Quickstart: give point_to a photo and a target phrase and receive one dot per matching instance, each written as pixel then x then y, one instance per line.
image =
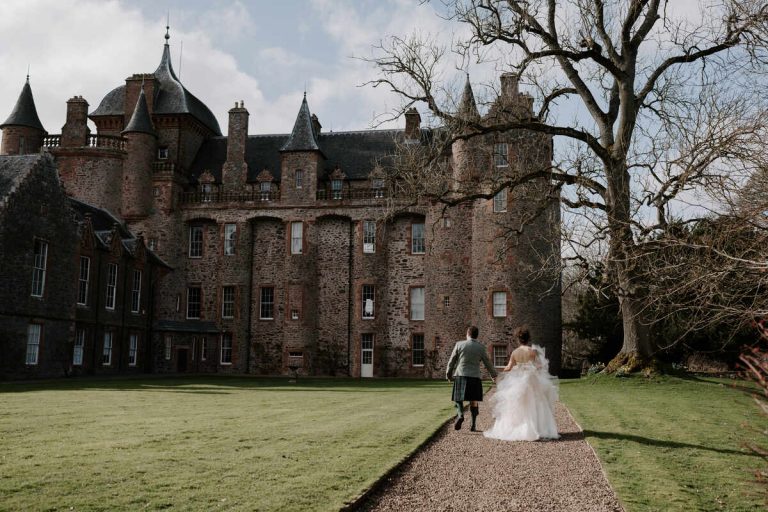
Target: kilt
pixel 467 388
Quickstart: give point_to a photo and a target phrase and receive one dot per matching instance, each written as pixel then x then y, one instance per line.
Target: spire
pixel 468 107
pixel 140 122
pixel 24 113
pixel 303 136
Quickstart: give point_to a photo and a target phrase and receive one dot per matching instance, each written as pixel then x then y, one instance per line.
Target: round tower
pixel 23 132
pixel 137 167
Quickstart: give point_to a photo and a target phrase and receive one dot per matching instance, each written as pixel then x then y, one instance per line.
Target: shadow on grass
pixel 738 385
pixel 661 443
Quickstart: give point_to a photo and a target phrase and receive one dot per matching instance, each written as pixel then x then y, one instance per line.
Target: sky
pixel 263 52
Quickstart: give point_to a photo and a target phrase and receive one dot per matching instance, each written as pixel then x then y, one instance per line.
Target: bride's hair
pixel 523 335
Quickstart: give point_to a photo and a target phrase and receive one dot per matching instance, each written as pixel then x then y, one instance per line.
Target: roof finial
pixel 167 26
pixel 27 73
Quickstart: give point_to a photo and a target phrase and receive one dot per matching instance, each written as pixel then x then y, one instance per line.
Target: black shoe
pixel 459 421
pixel 472 429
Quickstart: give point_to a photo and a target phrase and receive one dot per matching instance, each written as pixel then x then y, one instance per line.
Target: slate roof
pixel 140 121
pixel 24 113
pixel 303 136
pixel 15 169
pixel 170 97
pixel 356 153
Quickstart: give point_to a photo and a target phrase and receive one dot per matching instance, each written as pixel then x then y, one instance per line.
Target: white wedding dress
pixel 524 402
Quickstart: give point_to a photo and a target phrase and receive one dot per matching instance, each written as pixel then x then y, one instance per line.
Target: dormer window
pixel 162 153
pixel 336 188
pixel 206 191
pixel 377 185
pixel 265 188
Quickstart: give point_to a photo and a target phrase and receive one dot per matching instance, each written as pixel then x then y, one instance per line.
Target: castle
pixel 276 254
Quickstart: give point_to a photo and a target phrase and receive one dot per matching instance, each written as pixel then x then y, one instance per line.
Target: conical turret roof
pixel 24 113
pixel 303 136
pixel 468 107
pixel 140 122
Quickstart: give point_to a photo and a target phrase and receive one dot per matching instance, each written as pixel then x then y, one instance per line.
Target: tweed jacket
pixel 465 360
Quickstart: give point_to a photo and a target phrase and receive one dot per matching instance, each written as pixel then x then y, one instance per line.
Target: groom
pixel 464 370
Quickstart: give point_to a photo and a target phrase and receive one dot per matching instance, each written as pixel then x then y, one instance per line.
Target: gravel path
pixel 464 471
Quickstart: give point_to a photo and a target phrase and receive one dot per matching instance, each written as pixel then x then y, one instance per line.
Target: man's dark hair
pixel 523 335
pixel 473 332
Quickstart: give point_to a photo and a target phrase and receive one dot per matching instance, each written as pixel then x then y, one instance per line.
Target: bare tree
pixel 668 105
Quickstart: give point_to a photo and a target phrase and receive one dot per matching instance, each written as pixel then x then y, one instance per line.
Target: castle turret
pixel 22 132
pixel 140 155
pixel 235 170
pixel 301 159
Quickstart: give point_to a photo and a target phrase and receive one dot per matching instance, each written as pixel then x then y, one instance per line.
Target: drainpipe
pixel 350 296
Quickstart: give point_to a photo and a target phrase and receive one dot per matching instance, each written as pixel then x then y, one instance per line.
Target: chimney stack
pixel 412 124
pixel 74 133
pixel 234 173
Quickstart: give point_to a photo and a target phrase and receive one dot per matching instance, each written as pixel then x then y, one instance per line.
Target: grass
pixel 207 443
pixel 672 444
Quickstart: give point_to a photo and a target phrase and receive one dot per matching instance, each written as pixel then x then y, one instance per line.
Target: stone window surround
pixel 229 247
pixel 423 304
pixel 362 296
pixel 261 297
pixel 289 230
pixel 363 224
pixel 366 337
pixel 493 355
pixel 224 301
pixel 192 229
pixel 491 293
pixel 413 349
pixel 298 178
pixel 411 238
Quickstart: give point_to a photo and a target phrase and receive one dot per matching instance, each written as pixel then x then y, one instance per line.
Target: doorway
pixel 366 356
pixel 181 360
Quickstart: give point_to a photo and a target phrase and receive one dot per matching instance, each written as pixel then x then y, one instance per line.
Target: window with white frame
pixel 369 301
pixel 500 356
pixel 267 303
pixel 500 154
pixel 500 201
pixel 417 303
pixel 230 236
pixel 336 188
pixel 226 348
pixel 77 353
pixel 228 302
pixel 418 245
pixel 85 276
pixel 38 268
pixel 369 236
pixel 136 292
pixel 106 352
pixel 195 241
pixel 33 343
pixel 499 304
pixel 417 349
pixel 265 189
pixel 367 348
pixel 378 188
pixel 133 349
pixel 298 178
pixel 297 237
pixel 206 190
pixel 203 348
pixel 194 294
pixel 168 345
pixel 111 286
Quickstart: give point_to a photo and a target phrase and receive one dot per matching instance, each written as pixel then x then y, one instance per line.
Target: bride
pixel 524 402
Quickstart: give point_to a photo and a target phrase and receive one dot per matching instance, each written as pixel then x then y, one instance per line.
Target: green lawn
pixel 672 444
pixel 207 443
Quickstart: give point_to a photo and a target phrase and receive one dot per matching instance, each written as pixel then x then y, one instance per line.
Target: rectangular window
pixel 417 349
pixel 111 286
pixel 152 244
pixel 499 356
pixel 193 302
pixel 417 238
pixel 136 292
pixel 33 343
pixel 446 301
pixel 447 222
pixel 378 188
pixel 162 153
pixel 336 189
pixel 77 354
pixel 226 348
pixel 369 236
pixel 195 241
pixel 168 344
pixel 499 304
pixel 367 348
pixel 106 353
pixel 230 236
pixel 369 301
pixel 500 154
pixel 206 190
pixel 228 302
pixel 299 178
pixel 297 237
pixel 85 275
pixel 417 303
pixel 265 188
pixel 267 303
pixel 133 349
pixel 38 269
pixel 203 348
pixel 500 201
